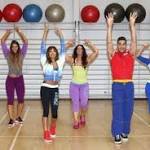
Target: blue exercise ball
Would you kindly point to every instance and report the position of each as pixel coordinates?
(32, 13)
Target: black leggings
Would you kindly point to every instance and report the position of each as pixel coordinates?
(49, 96)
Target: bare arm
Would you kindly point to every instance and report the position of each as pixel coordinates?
(5, 36)
(59, 33)
(43, 45)
(45, 32)
(133, 46)
(110, 48)
(22, 36)
(140, 51)
(69, 59)
(94, 53)
(5, 49)
(70, 43)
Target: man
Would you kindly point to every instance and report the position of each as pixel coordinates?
(122, 66)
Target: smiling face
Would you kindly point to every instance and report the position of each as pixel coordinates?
(121, 45)
(14, 48)
(79, 50)
(52, 53)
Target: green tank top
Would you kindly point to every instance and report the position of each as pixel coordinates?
(79, 74)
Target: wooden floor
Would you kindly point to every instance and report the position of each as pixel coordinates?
(95, 136)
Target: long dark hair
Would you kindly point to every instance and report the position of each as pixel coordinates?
(84, 55)
(15, 58)
(47, 53)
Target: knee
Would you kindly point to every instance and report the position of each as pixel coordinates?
(10, 102)
(84, 104)
(45, 113)
(21, 101)
(54, 115)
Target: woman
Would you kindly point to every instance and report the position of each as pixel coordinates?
(15, 56)
(79, 88)
(52, 64)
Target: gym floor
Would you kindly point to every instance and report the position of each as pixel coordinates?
(95, 135)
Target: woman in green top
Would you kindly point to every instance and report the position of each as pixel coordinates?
(79, 89)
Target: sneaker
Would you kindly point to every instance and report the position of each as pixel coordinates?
(82, 120)
(47, 137)
(52, 132)
(11, 123)
(124, 137)
(117, 139)
(76, 125)
(19, 120)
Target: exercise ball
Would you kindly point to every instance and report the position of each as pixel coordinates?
(12, 12)
(32, 13)
(139, 9)
(1, 15)
(90, 13)
(55, 13)
(117, 10)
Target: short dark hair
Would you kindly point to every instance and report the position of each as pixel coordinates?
(122, 38)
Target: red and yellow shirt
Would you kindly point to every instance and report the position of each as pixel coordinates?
(122, 66)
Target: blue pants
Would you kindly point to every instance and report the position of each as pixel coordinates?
(147, 92)
(122, 107)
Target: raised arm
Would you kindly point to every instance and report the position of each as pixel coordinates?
(70, 43)
(43, 45)
(22, 36)
(110, 49)
(59, 33)
(6, 35)
(3, 40)
(45, 32)
(24, 40)
(140, 51)
(144, 60)
(68, 58)
(133, 46)
(94, 53)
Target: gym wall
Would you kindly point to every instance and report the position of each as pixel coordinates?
(73, 27)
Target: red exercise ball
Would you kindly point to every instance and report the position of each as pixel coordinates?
(90, 13)
(12, 13)
(1, 15)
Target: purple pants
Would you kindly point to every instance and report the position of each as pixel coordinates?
(12, 84)
(79, 94)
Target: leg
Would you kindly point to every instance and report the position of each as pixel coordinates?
(20, 91)
(44, 92)
(117, 108)
(128, 107)
(10, 89)
(147, 92)
(84, 93)
(74, 94)
(54, 111)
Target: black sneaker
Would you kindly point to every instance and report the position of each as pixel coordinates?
(11, 123)
(117, 139)
(124, 137)
(19, 120)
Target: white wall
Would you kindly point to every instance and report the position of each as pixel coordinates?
(99, 72)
